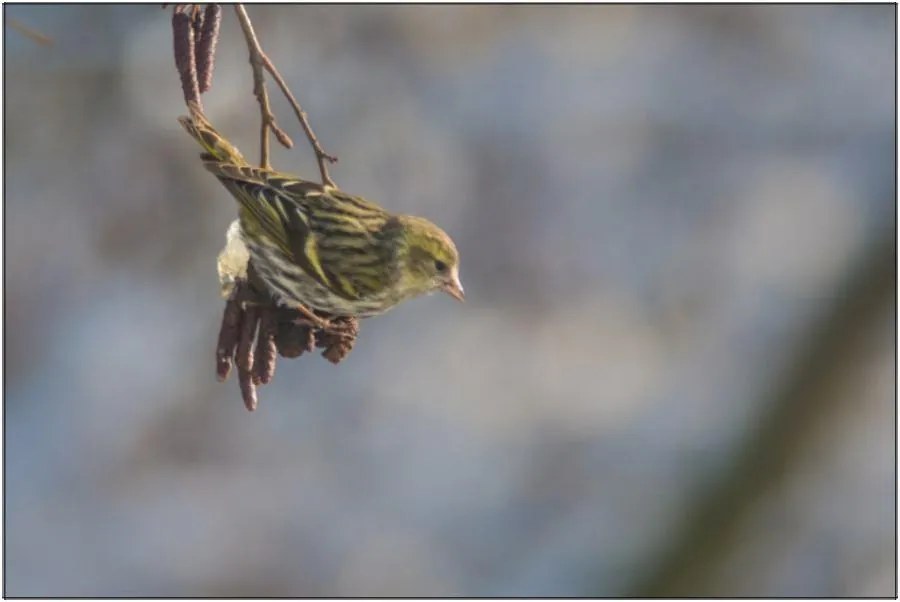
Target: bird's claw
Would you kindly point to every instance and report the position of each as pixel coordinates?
(329, 327)
(318, 324)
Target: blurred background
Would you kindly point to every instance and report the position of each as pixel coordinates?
(674, 373)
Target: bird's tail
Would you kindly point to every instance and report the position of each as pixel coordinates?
(216, 146)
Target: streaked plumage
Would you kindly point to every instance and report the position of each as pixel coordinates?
(323, 248)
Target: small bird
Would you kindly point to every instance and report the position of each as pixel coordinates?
(318, 248)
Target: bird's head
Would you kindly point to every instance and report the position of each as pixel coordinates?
(429, 260)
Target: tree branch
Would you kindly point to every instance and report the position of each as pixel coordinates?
(321, 155)
(259, 85)
(800, 402)
(259, 61)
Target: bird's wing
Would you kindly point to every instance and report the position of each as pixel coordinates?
(295, 213)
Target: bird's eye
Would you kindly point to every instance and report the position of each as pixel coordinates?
(439, 265)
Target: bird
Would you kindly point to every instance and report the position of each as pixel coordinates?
(318, 249)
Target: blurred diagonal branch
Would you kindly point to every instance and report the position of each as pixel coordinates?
(767, 452)
(30, 33)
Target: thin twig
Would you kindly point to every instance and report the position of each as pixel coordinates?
(28, 32)
(259, 85)
(321, 155)
(259, 60)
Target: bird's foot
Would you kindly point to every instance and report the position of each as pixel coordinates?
(309, 319)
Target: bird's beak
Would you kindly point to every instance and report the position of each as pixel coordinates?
(454, 289)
